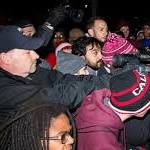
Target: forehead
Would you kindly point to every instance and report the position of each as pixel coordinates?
(18, 51)
(29, 27)
(100, 23)
(125, 27)
(59, 33)
(60, 123)
(146, 27)
(94, 46)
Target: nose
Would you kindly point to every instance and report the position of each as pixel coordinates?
(34, 54)
(105, 32)
(70, 140)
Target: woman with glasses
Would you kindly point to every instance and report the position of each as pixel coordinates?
(43, 127)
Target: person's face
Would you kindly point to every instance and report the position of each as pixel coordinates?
(23, 62)
(93, 56)
(58, 38)
(140, 36)
(146, 31)
(75, 34)
(125, 30)
(99, 30)
(28, 31)
(59, 126)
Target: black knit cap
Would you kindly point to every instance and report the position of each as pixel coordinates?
(130, 91)
(11, 37)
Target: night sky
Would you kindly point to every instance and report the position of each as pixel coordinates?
(112, 10)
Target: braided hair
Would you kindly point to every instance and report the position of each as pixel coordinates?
(26, 132)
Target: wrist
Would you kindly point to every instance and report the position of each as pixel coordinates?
(49, 26)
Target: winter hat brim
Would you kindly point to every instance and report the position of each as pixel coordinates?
(62, 46)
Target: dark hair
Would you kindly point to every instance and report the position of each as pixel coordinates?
(146, 23)
(26, 132)
(79, 45)
(120, 33)
(91, 21)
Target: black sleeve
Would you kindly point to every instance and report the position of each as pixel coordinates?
(71, 89)
(43, 35)
(138, 130)
(45, 32)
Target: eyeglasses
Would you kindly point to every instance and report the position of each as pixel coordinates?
(63, 137)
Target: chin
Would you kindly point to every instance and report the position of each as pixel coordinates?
(95, 66)
(98, 65)
(103, 40)
(33, 70)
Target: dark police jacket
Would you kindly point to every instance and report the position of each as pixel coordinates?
(17, 93)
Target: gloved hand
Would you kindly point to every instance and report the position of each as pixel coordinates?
(56, 16)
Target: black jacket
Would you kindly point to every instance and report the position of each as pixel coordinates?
(43, 34)
(17, 92)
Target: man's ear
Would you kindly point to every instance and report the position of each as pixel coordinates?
(4, 58)
(91, 32)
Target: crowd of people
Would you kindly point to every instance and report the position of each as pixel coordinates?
(74, 98)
